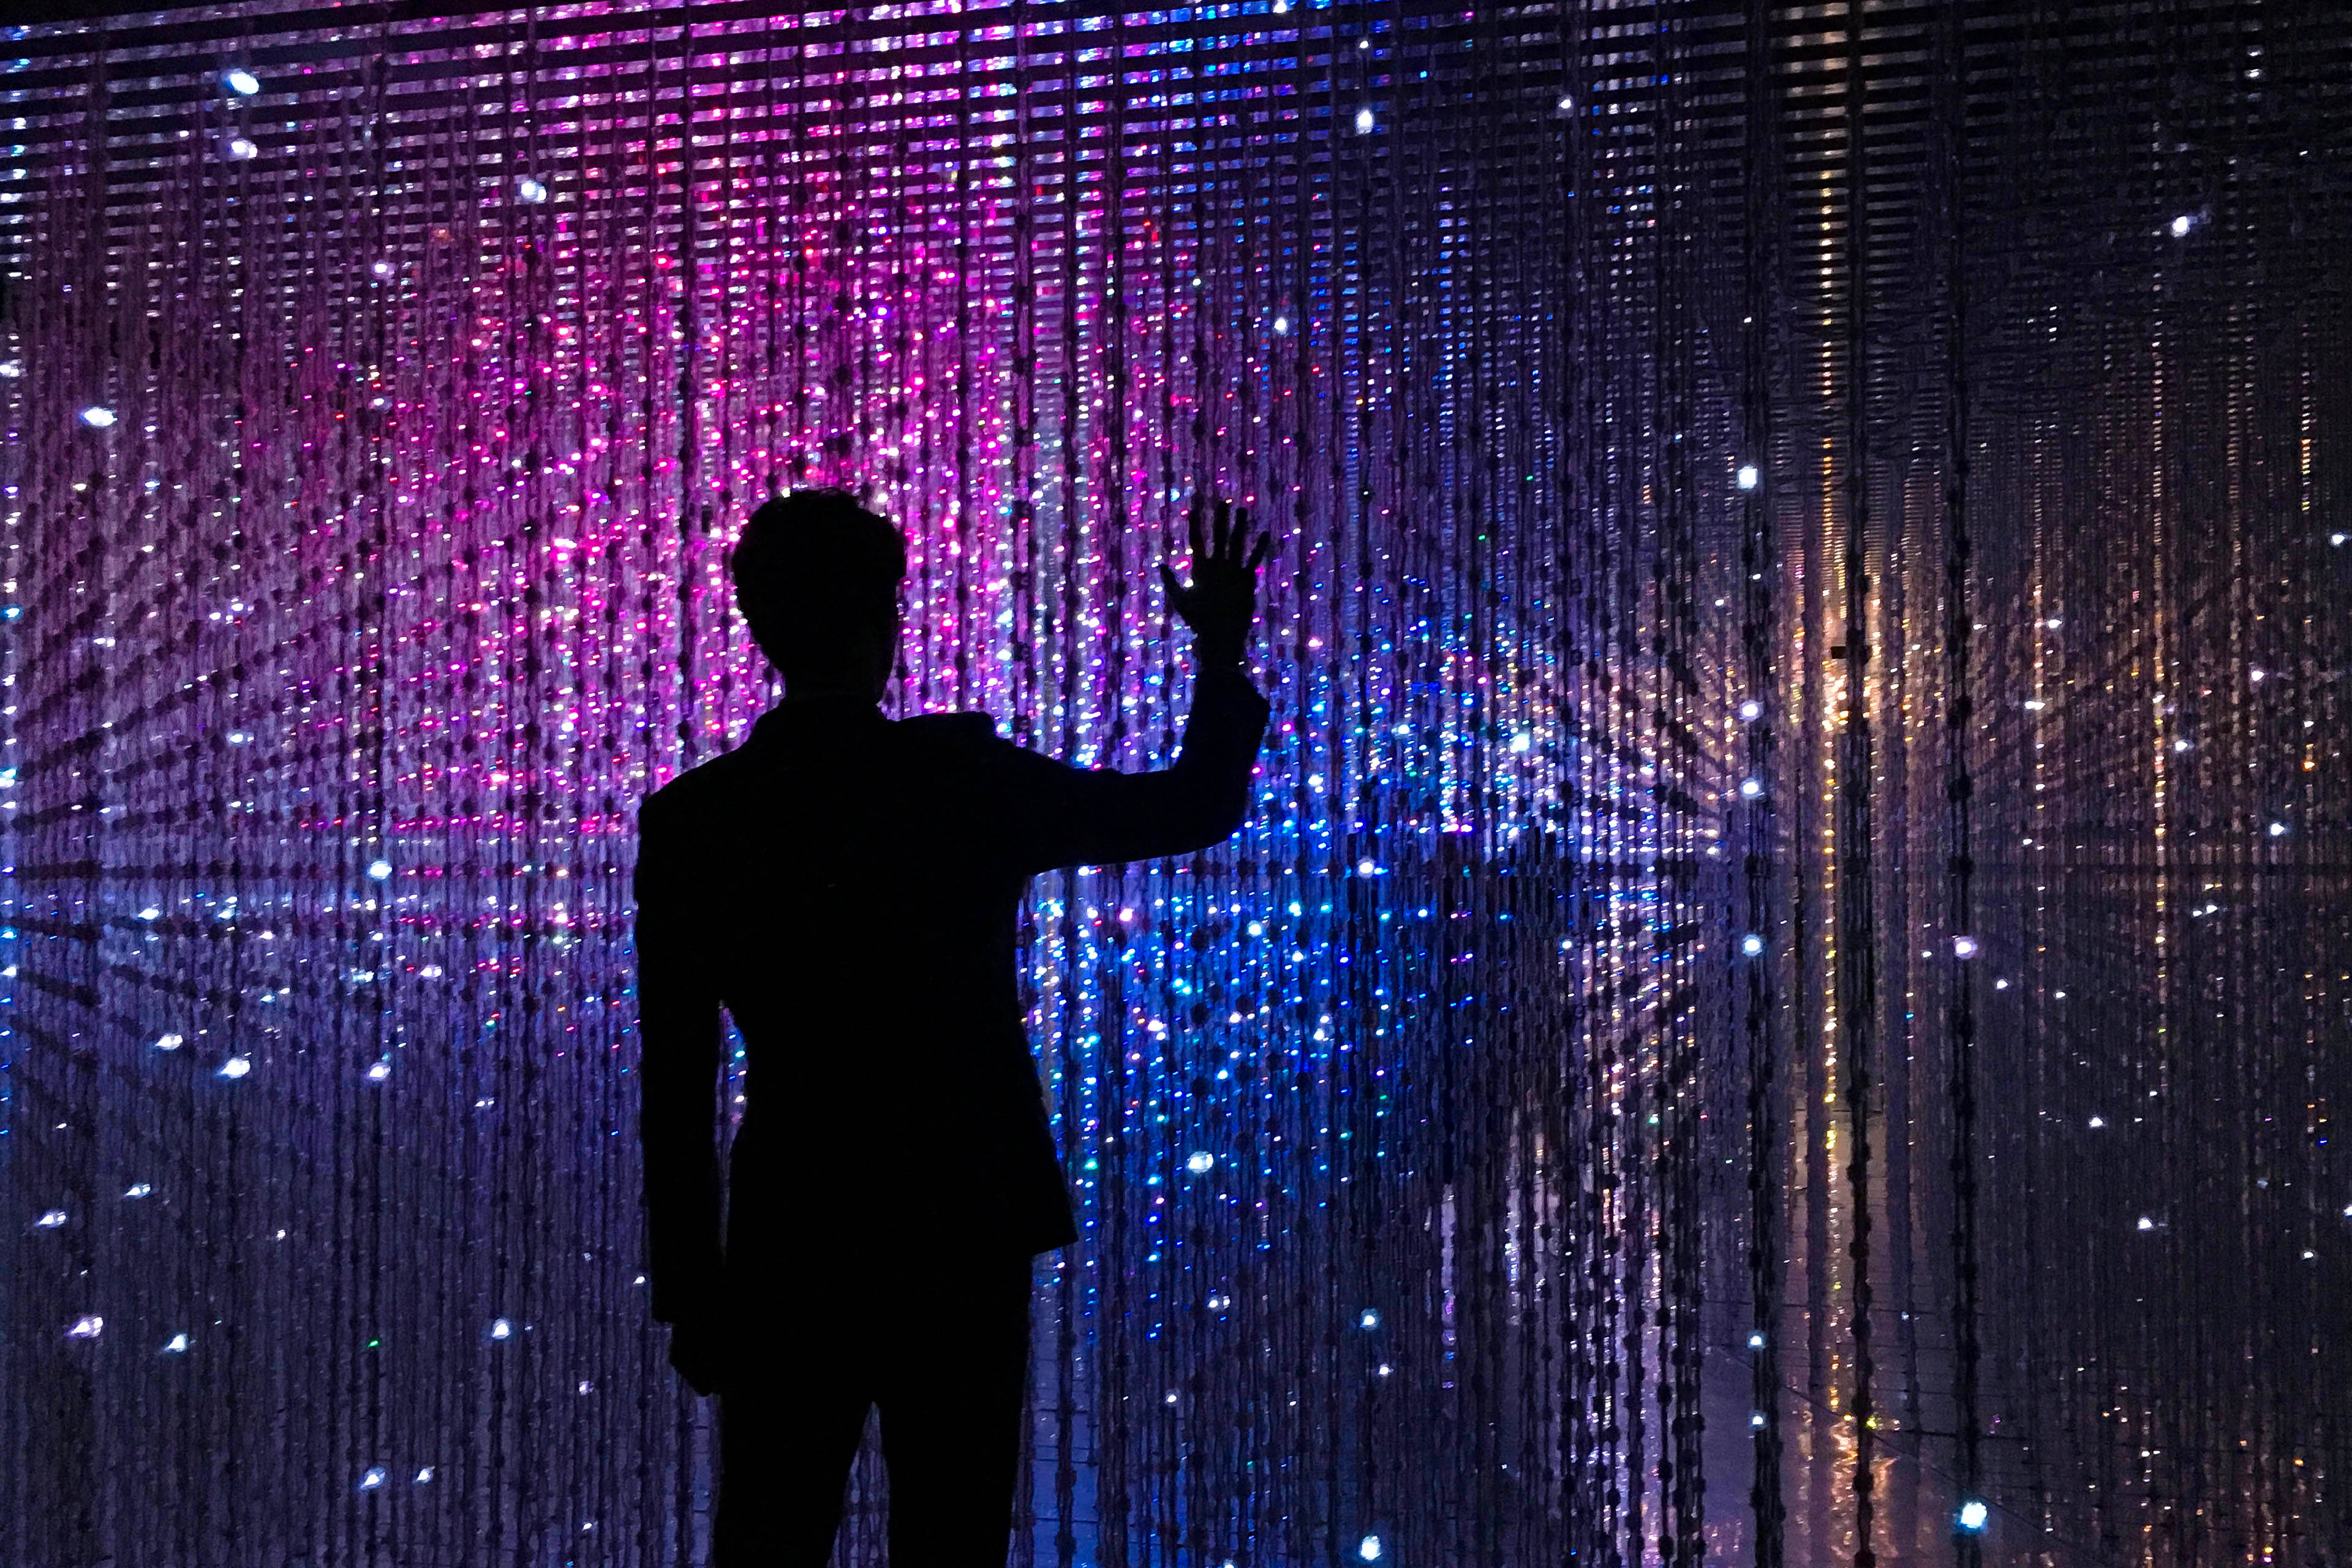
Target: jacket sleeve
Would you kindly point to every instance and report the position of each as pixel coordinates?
(1061, 815)
(677, 1071)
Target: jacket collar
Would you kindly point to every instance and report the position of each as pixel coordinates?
(815, 715)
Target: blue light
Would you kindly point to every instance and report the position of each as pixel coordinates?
(1973, 1515)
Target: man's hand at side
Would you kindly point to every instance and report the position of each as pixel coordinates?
(698, 1351)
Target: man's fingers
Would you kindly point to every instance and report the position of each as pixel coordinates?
(1258, 555)
(1196, 519)
(1168, 580)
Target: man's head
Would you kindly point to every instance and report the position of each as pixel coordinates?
(816, 576)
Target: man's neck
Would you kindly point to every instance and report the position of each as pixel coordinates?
(794, 695)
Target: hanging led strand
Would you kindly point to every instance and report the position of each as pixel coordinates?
(1972, 1513)
(1760, 712)
(1857, 998)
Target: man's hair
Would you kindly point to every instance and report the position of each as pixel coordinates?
(811, 570)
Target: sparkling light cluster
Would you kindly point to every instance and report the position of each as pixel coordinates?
(1742, 702)
(422, 395)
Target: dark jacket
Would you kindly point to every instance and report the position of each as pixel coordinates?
(848, 887)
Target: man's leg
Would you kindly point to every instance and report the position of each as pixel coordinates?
(951, 1404)
(788, 1433)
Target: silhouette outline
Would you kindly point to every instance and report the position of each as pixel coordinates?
(848, 887)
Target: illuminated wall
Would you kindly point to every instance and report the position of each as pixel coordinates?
(437, 374)
(1466, 1150)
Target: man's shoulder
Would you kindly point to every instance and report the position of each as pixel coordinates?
(695, 788)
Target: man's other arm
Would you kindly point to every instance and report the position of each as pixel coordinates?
(1063, 815)
(677, 1071)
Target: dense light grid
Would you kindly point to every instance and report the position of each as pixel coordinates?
(1466, 1154)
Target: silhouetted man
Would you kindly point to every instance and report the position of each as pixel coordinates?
(846, 886)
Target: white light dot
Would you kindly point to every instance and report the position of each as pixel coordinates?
(1522, 741)
(97, 418)
(2054, 622)
(1364, 123)
(501, 1329)
(2146, 1223)
(373, 1479)
(1756, 1420)
(1750, 788)
(1370, 1320)
(138, 1189)
(1172, 1396)
(1200, 1162)
(176, 1345)
(1567, 105)
(1749, 476)
(530, 190)
(1385, 1369)
(1751, 710)
(169, 1042)
(2099, 1121)
(1367, 869)
(86, 1327)
(425, 1475)
(51, 1220)
(1282, 326)
(2277, 828)
(380, 870)
(2336, 539)
(1756, 1341)
(1751, 945)
(12, 369)
(241, 148)
(236, 1067)
(1973, 1515)
(242, 82)
(1964, 947)
(384, 269)
(586, 1386)
(1368, 1549)
(2181, 225)
(379, 1071)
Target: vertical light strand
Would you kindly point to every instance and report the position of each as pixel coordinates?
(1858, 1002)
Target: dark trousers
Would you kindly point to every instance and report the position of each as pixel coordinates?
(941, 1347)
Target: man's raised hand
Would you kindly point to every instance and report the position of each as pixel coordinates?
(1222, 602)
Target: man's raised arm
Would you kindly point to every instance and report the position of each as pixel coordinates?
(1077, 816)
